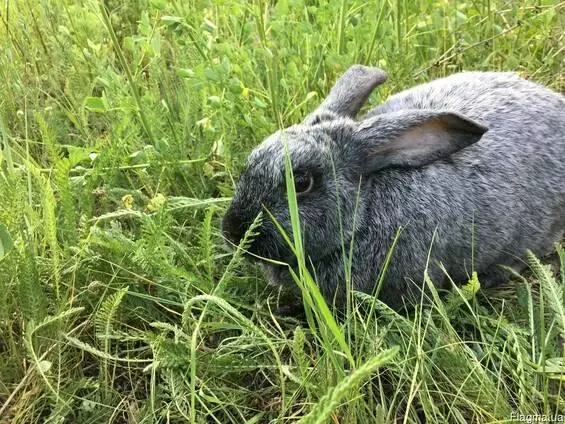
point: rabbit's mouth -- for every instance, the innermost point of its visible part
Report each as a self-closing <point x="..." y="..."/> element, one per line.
<point x="277" y="275"/>
<point x="265" y="249"/>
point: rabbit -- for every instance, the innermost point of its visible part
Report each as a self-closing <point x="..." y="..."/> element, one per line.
<point x="469" y="167"/>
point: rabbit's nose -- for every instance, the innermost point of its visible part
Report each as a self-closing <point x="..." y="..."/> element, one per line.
<point x="234" y="227"/>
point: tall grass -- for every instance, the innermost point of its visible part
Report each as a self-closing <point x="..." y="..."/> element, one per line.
<point x="124" y="125"/>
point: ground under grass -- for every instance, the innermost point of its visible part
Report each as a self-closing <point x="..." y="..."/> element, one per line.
<point x="124" y="125"/>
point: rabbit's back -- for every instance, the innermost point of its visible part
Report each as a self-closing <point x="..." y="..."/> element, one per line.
<point x="482" y="96"/>
<point x="508" y="189"/>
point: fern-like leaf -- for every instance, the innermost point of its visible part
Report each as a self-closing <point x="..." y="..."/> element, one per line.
<point x="66" y="201"/>
<point x="552" y="290"/>
<point x="206" y="244"/>
<point x="31" y="294"/>
<point x="105" y="315"/>
<point x="331" y="400"/>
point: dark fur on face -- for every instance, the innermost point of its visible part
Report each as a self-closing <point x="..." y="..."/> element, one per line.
<point x="313" y="150"/>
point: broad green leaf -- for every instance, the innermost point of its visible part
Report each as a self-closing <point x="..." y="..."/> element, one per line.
<point x="95" y="104"/>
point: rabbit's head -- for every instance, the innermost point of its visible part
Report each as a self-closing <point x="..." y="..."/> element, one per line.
<point x="331" y="156"/>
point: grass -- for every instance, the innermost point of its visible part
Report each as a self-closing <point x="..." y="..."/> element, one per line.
<point x="124" y="125"/>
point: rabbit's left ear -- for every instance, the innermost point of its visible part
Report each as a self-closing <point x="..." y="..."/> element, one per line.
<point x="411" y="138"/>
<point x="349" y="94"/>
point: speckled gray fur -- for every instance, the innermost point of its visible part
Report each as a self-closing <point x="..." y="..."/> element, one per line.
<point x="487" y="197"/>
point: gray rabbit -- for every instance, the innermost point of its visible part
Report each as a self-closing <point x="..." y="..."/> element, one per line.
<point x="471" y="166"/>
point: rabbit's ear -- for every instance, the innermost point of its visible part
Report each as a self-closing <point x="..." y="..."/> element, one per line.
<point x="412" y="138"/>
<point x="349" y="93"/>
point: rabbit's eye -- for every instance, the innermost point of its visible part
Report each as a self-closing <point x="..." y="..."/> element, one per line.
<point x="303" y="183"/>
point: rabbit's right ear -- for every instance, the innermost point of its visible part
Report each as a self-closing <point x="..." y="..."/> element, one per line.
<point x="349" y="94"/>
<point x="411" y="138"/>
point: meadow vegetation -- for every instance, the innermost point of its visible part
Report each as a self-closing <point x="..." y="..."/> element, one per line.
<point x="124" y="125"/>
